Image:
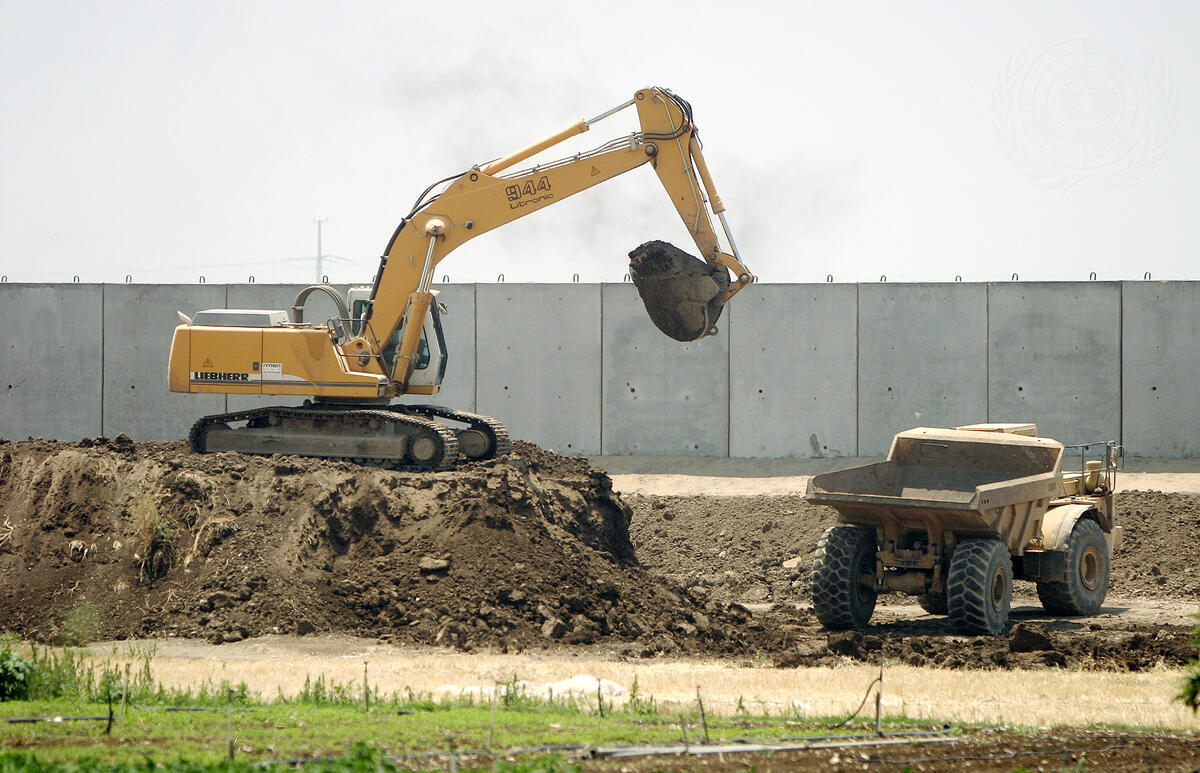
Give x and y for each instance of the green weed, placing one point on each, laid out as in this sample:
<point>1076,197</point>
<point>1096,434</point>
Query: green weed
<point>1191,683</point>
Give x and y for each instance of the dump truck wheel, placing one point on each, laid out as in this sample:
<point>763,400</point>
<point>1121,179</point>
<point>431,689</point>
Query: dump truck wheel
<point>979,586</point>
<point>934,603</point>
<point>840,598</point>
<point>1087,574</point>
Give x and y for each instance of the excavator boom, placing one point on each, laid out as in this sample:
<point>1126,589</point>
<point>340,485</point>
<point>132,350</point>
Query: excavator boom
<point>486,197</point>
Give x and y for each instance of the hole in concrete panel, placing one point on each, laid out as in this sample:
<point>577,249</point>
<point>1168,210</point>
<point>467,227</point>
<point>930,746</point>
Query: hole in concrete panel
<point>1153,389</point>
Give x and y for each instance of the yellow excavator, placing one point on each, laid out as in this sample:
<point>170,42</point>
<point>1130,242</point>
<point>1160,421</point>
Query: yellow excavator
<point>387,340</point>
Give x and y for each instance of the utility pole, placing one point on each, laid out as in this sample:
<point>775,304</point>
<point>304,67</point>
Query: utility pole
<point>320,254</point>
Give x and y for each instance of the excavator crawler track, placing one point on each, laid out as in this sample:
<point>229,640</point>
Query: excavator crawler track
<point>490,432</point>
<point>379,436</point>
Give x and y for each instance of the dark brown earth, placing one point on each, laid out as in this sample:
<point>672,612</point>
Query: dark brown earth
<point>112,539</point>
<point>990,749</point>
<point>530,549</point>
<point>681,293</point>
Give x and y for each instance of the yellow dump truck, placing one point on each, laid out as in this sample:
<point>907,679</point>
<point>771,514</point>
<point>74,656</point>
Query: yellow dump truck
<point>953,516</point>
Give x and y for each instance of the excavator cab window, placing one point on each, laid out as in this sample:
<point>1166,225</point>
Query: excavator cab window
<point>389,351</point>
<point>358,316</point>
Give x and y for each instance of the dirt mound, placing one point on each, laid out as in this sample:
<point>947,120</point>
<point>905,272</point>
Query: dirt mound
<point>114,539</point>
<point>1159,556</point>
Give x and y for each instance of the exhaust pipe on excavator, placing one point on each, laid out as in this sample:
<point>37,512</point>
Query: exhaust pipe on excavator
<point>683,295</point>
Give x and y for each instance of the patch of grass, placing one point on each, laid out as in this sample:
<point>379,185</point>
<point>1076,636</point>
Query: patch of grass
<point>124,675</point>
<point>1191,683</point>
<point>638,704</point>
<point>323,721</point>
<point>80,625</point>
<point>361,758</point>
<point>155,534</point>
<point>276,731</point>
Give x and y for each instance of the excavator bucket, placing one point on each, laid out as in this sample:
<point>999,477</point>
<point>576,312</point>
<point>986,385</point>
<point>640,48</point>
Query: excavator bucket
<point>682,294</point>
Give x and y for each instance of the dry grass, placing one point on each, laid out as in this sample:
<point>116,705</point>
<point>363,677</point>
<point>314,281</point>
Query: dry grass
<point>154,534</point>
<point>1029,698</point>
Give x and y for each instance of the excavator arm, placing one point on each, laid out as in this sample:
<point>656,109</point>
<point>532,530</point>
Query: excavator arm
<point>489,196</point>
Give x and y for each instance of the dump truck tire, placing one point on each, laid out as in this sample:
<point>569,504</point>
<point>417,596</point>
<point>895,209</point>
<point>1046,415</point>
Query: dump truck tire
<point>979,586</point>
<point>934,603</point>
<point>843,555</point>
<point>1088,565</point>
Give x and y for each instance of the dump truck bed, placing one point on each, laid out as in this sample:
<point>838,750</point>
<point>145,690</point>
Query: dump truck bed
<point>973,483</point>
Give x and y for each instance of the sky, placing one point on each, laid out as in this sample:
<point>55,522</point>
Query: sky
<point>860,141</point>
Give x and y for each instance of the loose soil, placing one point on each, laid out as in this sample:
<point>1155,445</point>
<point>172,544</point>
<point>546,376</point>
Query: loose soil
<point>1001,750</point>
<point>115,539</point>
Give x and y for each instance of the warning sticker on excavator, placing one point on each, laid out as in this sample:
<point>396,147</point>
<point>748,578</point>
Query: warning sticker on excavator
<point>272,369</point>
<point>207,363</point>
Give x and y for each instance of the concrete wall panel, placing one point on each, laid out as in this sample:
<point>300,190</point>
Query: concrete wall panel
<point>922,359</point>
<point>1054,358</point>
<point>539,363</point>
<point>661,397</point>
<point>139,321</point>
<point>51,361</point>
<point>792,362</point>
<point>1160,357</point>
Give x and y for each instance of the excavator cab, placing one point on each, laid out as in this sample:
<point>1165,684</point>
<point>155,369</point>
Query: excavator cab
<point>431,355</point>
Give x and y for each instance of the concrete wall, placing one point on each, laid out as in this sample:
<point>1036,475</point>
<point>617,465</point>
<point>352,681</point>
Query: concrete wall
<point>51,360</point>
<point>538,363</point>
<point>1054,354</point>
<point>660,397</point>
<point>1160,368</point>
<point>795,370</point>
<point>922,359</point>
